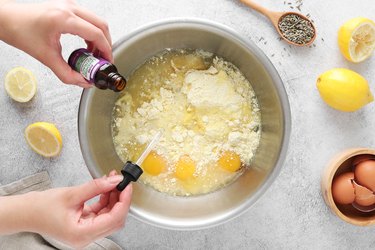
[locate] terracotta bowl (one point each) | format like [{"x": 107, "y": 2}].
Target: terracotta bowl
[{"x": 339, "y": 164}]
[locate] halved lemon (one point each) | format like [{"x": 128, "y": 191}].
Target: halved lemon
[
  {"x": 20, "y": 84},
  {"x": 44, "y": 138},
  {"x": 356, "y": 39}
]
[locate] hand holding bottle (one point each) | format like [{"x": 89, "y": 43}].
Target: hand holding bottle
[{"x": 36, "y": 28}]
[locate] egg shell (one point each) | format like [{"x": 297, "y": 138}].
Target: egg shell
[
  {"x": 364, "y": 209},
  {"x": 360, "y": 158},
  {"x": 363, "y": 195},
  {"x": 343, "y": 191},
  {"x": 364, "y": 174}
]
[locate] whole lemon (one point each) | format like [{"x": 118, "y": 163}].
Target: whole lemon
[{"x": 344, "y": 89}]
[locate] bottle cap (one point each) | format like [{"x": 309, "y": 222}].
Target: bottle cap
[{"x": 131, "y": 172}]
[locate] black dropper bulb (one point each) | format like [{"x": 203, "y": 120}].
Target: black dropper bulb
[{"x": 131, "y": 172}]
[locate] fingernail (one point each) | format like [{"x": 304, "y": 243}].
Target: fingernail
[
  {"x": 130, "y": 187},
  {"x": 113, "y": 172},
  {"x": 115, "y": 179}
]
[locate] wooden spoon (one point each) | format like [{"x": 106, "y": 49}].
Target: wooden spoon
[{"x": 275, "y": 18}]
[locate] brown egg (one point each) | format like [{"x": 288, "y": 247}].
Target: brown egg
[
  {"x": 342, "y": 188},
  {"x": 363, "y": 195},
  {"x": 365, "y": 174},
  {"x": 360, "y": 158}
]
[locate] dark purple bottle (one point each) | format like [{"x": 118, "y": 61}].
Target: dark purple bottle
[{"x": 96, "y": 70}]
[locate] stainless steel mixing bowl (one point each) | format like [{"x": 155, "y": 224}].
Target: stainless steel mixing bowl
[{"x": 184, "y": 213}]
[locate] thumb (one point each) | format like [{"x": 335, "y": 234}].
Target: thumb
[{"x": 95, "y": 187}]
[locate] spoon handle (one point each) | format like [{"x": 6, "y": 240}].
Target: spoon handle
[
  {"x": 257, "y": 7},
  {"x": 273, "y": 16}
]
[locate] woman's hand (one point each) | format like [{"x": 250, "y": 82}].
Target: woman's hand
[
  {"x": 62, "y": 214},
  {"x": 36, "y": 28}
]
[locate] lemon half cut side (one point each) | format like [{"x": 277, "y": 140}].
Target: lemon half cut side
[
  {"x": 20, "y": 84},
  {"x": 44, "y": 138},
  {"x": 356, "y": 39}
]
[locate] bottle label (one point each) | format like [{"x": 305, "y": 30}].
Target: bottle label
[
  {"x": 85, "y": 66},
  {"x": 85, "y": 63}
]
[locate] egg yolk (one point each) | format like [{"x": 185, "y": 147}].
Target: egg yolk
[
  {"x": 230, "y": 161},
  {"x": 185, "y": 168},
  {"x": 154, "y": 164}
]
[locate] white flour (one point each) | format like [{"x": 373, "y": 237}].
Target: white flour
[{"x": 202, "y": 112}]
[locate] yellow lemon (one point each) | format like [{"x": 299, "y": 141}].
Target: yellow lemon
[
  {"x": 20, "y": 84},
  {"x": 185, "y": 168},
  {"x": 230, "y": 161},
  {"x": 44, "y": 138},
  {"x": 154, "y": 164},
  {"x": 356, "y": 39},
  {"x": 344, "y": 89}
]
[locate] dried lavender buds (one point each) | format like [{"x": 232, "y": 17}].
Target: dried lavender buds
[{"x": 296, "y": 29}]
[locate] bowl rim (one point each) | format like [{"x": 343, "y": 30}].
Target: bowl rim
[
  {"x": 329, "y": 173},
  {"x": 285, "y": 109}
]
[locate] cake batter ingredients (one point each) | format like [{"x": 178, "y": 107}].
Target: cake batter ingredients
[{"x": 209, "y": 114}]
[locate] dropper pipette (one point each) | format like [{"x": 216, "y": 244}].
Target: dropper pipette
[{"x": 132, "y": 171}]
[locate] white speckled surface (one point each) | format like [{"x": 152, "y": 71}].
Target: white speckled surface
[{"x": 292, "y": 213}]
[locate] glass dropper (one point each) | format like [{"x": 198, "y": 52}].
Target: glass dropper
[{"x": 132, "y": 171}]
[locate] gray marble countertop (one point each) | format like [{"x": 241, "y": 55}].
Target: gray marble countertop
[{"x": 292, "y": 213}]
